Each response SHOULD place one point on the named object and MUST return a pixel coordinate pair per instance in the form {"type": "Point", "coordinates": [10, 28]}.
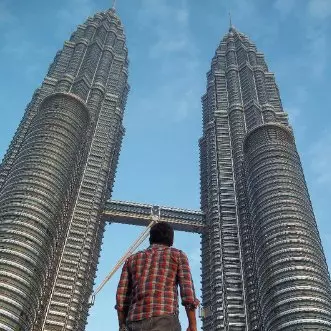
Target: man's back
{"type": "Point", "coordinates": [154, 275]}
{"type": "Point", "coordinates": [147, 292]}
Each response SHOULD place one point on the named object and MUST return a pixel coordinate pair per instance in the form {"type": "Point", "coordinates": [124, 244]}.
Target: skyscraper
{"type": "Point", "coordinates": [56, 177]}
{"type": "Point", "coordinates": [263, 266]}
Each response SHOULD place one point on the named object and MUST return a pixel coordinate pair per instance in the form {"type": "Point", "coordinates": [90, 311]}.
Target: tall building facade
{"type": "Point", "coordinates": [55, 179]}
{"type": "Point", "coordinates": [263, 266]}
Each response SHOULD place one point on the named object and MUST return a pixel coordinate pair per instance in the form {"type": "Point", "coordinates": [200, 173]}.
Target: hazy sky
{"type": "Point", "coordinates": [171, 43]}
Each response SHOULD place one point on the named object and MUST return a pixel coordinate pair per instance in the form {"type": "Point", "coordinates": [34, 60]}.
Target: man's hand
{"type": "Point", "coordinates": [192, 328]}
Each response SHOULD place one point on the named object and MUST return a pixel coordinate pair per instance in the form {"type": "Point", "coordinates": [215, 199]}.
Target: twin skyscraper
{"type": "Point", "coordinates": [263, 266]}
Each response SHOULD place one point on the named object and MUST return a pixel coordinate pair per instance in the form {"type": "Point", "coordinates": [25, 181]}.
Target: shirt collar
{"type": "Point", "coordinates": [158, 246]}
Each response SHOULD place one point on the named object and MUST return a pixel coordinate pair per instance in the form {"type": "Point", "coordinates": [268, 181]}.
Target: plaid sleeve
{"type": "Point", "coordinates": [185, 282]}
{"type": "Point", "coordinates": [123, 294]}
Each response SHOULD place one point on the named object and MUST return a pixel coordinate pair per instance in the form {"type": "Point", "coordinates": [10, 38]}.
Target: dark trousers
{"type": "Point", "coordinates": [157, 323]}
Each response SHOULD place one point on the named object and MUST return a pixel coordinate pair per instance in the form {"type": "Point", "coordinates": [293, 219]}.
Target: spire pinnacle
{"type": "Point", "coordinates": [114, 5]}
{"type": "Point", "coordinates": [230, 21]}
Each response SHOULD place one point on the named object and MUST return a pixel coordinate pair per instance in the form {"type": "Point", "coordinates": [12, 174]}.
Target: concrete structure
{"type": "Point", "coordinates": [56, 177]}
{"type": "Point", "coordinates": [263, 266]}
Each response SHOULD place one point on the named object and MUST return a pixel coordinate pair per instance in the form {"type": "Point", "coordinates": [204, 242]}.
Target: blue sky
{"type": "Point", "coordinates": [171, 43]}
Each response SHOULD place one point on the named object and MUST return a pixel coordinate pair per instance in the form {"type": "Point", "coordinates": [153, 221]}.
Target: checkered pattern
{"type": "Point", "coordinates": [149, 280]}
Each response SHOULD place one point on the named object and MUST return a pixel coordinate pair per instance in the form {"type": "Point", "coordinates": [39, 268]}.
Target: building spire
{"type": "Point", "coordinates": [230, 21]}
{"type": "Point", "coordinates": [114, 5]}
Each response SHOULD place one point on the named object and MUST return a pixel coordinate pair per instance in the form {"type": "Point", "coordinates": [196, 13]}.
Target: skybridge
{"type": "Point", "coordinates": [132, 213]}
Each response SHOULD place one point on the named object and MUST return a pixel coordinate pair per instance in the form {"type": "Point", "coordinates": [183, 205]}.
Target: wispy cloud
{"type": "Point", "coordinates": [320, 153]}
{"type": "Point", "coordinates": [6, 15]}
{"type": "Point", "coordinates": [244, 10]}
{"type": "Point", "coordinates": [73, 13]}
{"type": "Point", "coordinates": [317, 25]}
{"type": "Point", "coordinates": [18, 45]}
{"type": "Point", "coordinates": [316, 9]}
{"type": "Point", "coordinates": [295, 109]}
{"type": "Point", "coordinates": [318, 50]}
{"type": "Point", "coordinates": [195, 258]}
{"type": "Point", "coordinates": [313, 51]}
{"type": "Point", "coordinates": [317, 47]}
{"type": "Point", "coordinates": [285, 7]}
{"type": "Point", "coordinates": [294, 114]}
{"type": "Point", "coordinates": [173, 50]}
{"type": "Point", "coordinates": [170, 25]}
{"type": "Point", "coordinates": [319, 9]}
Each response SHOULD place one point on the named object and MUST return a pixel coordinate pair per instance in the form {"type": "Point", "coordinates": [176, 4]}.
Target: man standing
{"type": "Point", "coordinates": [147, 296]}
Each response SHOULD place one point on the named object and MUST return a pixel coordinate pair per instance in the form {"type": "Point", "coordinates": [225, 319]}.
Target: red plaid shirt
{"type": "Point", "coordinates": [148, 283]}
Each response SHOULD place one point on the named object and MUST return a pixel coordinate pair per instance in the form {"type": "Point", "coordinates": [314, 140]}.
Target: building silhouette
{"type": "Point", "coordinates": [56, 177]}
{"type": "Point", "coordinates": [263, 266]}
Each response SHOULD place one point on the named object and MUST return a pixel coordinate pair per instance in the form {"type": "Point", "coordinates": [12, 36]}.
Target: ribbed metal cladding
{"type": "Point", "coordinates": [91, 71]}
{"type": "Point", "coordinates": [222, 268]}
{"type": "Point", "coordinates": [33, 206]}
{"type": "Point", "coordinates": [293, 278]}
{"type": "Point", "coordinates": [242, 95]}
{"type": "Point", "coordinates": [96, 70]}
{"type": "Point", "coordinates": [263, 267]}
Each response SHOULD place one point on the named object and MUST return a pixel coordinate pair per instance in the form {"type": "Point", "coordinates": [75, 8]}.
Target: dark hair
{"type": "Point", "coordinates": [161, 233]}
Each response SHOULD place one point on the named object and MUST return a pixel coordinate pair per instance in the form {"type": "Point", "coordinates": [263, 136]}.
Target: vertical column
{"type": "Point", "coordinates": [33, 206]}
{"type": "Point", "coordinates": [237, 125]}
{"type": "Point", "coordinates": [233, 305]}
{"type": "Point", "coordinates": [293, 278]}
{"type": "Point", "coordinates": [205, 237]}
{"type": "Point", "coordinates": [272, 92]}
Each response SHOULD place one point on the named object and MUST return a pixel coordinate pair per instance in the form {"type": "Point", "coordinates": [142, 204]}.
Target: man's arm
{"type": "Point", "coordinates": [192, 320]}
{"type": "Point", "coordinates": [123, 295]}
{"type": "Point", "coordinates": [187, 293]}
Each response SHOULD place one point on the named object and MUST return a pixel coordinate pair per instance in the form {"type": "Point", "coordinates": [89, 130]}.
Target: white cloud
{"type": "Point", "coordinates": [320, 153]}
{"type": "Point", "coordinates": [319, 9]}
